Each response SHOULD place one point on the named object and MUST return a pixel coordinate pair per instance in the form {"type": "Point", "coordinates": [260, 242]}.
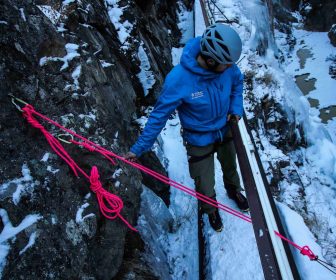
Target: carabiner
{"type": "Point", "coordinates": [18, 100]}
{"type": "Point", "coordinates": [60, 137]}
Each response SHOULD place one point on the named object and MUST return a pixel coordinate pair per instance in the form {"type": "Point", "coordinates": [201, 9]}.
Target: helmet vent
{"type": "Point", "coordinates": [224, 47]}
{"type": "Point", "coordinates": [211, 44]}
{"type": "Point", "coordinates": [218, 36]}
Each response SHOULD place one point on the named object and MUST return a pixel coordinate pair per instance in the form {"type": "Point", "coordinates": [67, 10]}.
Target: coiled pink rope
{"type": "Point", "coordinates": [111, 205]}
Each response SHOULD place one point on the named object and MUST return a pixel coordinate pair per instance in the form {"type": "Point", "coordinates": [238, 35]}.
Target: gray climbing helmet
{"type": "Point", "coordinates": [222, 43]}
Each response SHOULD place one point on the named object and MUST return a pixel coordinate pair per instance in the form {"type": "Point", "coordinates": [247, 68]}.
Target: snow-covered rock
{"type": "Point", "coordinates": [332, 35]}
{"type": "Point", "coordinates": [74, 63]}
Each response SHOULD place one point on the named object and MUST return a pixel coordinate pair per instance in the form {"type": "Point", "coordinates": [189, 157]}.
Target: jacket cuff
{"type": "Point", "coordinates": [240, 113]}
{"type": "Point", "coordinates": [136, 150]}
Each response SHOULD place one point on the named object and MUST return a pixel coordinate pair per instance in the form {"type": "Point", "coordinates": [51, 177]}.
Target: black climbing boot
{"type": "Point", "coordinates": [240, 200]}
{"type": "Point", "coordinates": [215, 221]}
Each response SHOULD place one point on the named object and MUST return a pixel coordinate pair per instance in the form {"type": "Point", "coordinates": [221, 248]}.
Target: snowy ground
{"type": "Point", "coordinates": [235, 247]}
{"type": "Point", "coordinates": [232, 247]}
{"type": "Point", "coordinates": [318, 170]}
{"type": "Point", "coordinates": [318, 53]}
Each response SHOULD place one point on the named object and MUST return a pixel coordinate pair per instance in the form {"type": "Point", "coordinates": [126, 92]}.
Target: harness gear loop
{"type": "Point", "coordinates": [194, 159]}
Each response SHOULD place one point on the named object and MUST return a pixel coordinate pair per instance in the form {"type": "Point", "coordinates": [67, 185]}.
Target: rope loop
{"type": "Point", "coordinates": [110, 204]}
{"type": "Point", "coordinates": [306, 251]}
{"type": "Point", "coordinates": [28, 115]}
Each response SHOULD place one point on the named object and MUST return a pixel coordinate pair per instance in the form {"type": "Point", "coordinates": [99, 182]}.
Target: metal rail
{"type": "Point", "coordinates": [261, 230]}
{"type": "Point", "coordinates": [276, 258]}
{"type": "Point", "coordinates": [283, 251]}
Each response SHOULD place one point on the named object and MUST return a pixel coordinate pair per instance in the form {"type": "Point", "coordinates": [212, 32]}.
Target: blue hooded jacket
{"type": "Point", "coordinates": [203, 99]}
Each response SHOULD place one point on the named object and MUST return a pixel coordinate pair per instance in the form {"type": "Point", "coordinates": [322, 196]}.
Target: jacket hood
{"type": "Point", "coordinates": [189, 59]}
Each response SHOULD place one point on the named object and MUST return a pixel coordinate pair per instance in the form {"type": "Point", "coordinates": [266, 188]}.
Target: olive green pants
{"type": "Point", "coordinates": [202, 168]}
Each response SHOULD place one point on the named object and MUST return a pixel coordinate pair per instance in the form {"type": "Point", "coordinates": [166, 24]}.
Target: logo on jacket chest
{"type": "Point", "coordinates": [197, 94]}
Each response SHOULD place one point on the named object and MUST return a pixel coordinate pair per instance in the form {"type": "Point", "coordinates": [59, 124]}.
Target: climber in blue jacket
{"type": "Point", "coordinates": [206, 90]}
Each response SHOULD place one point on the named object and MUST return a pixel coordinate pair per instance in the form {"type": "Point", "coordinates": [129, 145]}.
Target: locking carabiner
{"type": "Point", "coordinates": [60, 137]}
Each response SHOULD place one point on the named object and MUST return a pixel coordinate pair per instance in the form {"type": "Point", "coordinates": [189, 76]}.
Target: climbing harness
{"type": "Point", "coordinates": [194, 159]}
{"type": "Point", "coordinates": [110, 204]}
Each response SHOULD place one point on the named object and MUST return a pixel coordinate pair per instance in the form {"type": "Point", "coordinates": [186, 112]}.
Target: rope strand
{"type": "Point", "coordinates": [323, 264]}
{"type": "Point", "coordinates": [111, 205]}
{"type": "Point", "coordinates": [328, 264]}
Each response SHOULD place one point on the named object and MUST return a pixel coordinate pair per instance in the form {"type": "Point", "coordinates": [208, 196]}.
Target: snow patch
{"type": "Point", "coordinates": [52, 14]}
{"type": "Point", "coordinates": [45, 157]}
{"type": "Point", "coordinates": [75, 75]}
{"type": "Point", "coordinates": [67, 2]}
{"type": "Point", "coordinates": [23, 16]}
{"type": "Point", "coordinates": [20, 186]}
{"type": "Point", "coordinates": [124, 28]}
{"type": "Point", "coordinates": [71, 54]}
{"type": "Point", "coordinates": [52, 170]}
{"type": "Point", "coordinates": [8, 233]}
{"type": "Point", "coordinates": [117, 173]}
{"type": "Point", "coordinates": [105, 64]}
{"type": "Point", "coordinates": [145, 75]}
{"type": "Point", "coordinates": [79, 214]}
{"type": "Point", "coordinates": [185, 22]}
{"type": "Point", "coordinates": [176, 54]}
{"type": "Point", "coordinates": [31, 242]}
{"type": "Point", "coordinates": [83, 225]}
{"type": "Point", "coordinates": [89, 119]}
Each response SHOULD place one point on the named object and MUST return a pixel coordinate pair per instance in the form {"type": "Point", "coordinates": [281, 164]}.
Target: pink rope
{"type": "Point", "coordinates": [113, 204]}
{"type": "Point", "coordinates": [110, 205]}
{"type": "Point", "coordinates": [165, 180]}
{"type": "Point", "coordinates": [305, 250]}
{"type": "Point", "coordinates": [28, 112]}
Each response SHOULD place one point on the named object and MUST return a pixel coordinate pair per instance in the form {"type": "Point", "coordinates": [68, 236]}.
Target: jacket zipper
{"type": "Point", "coordinates": [211, 102]}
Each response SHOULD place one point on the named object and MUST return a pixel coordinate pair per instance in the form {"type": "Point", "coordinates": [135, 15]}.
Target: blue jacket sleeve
{"type": "Point", "coordinates": [236, 97]}
{"type": "Point", "coordinates": [168, 101]}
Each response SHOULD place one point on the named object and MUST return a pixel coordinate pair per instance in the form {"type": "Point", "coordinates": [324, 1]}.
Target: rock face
{"type": "Point", "coordinates": [332, 35]}
{"type": "Point", "coordinates": [319, 15]}
{"type": "Point", "coordinates": [79, 64]}
{"type": "Point", "coordinates": [154, 224]}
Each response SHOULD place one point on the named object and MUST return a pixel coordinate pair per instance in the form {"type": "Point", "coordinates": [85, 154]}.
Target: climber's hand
{"type": "Point", "coordinates": [233, 117]}
{"type": "Point", "coordinates": [130, 156]}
